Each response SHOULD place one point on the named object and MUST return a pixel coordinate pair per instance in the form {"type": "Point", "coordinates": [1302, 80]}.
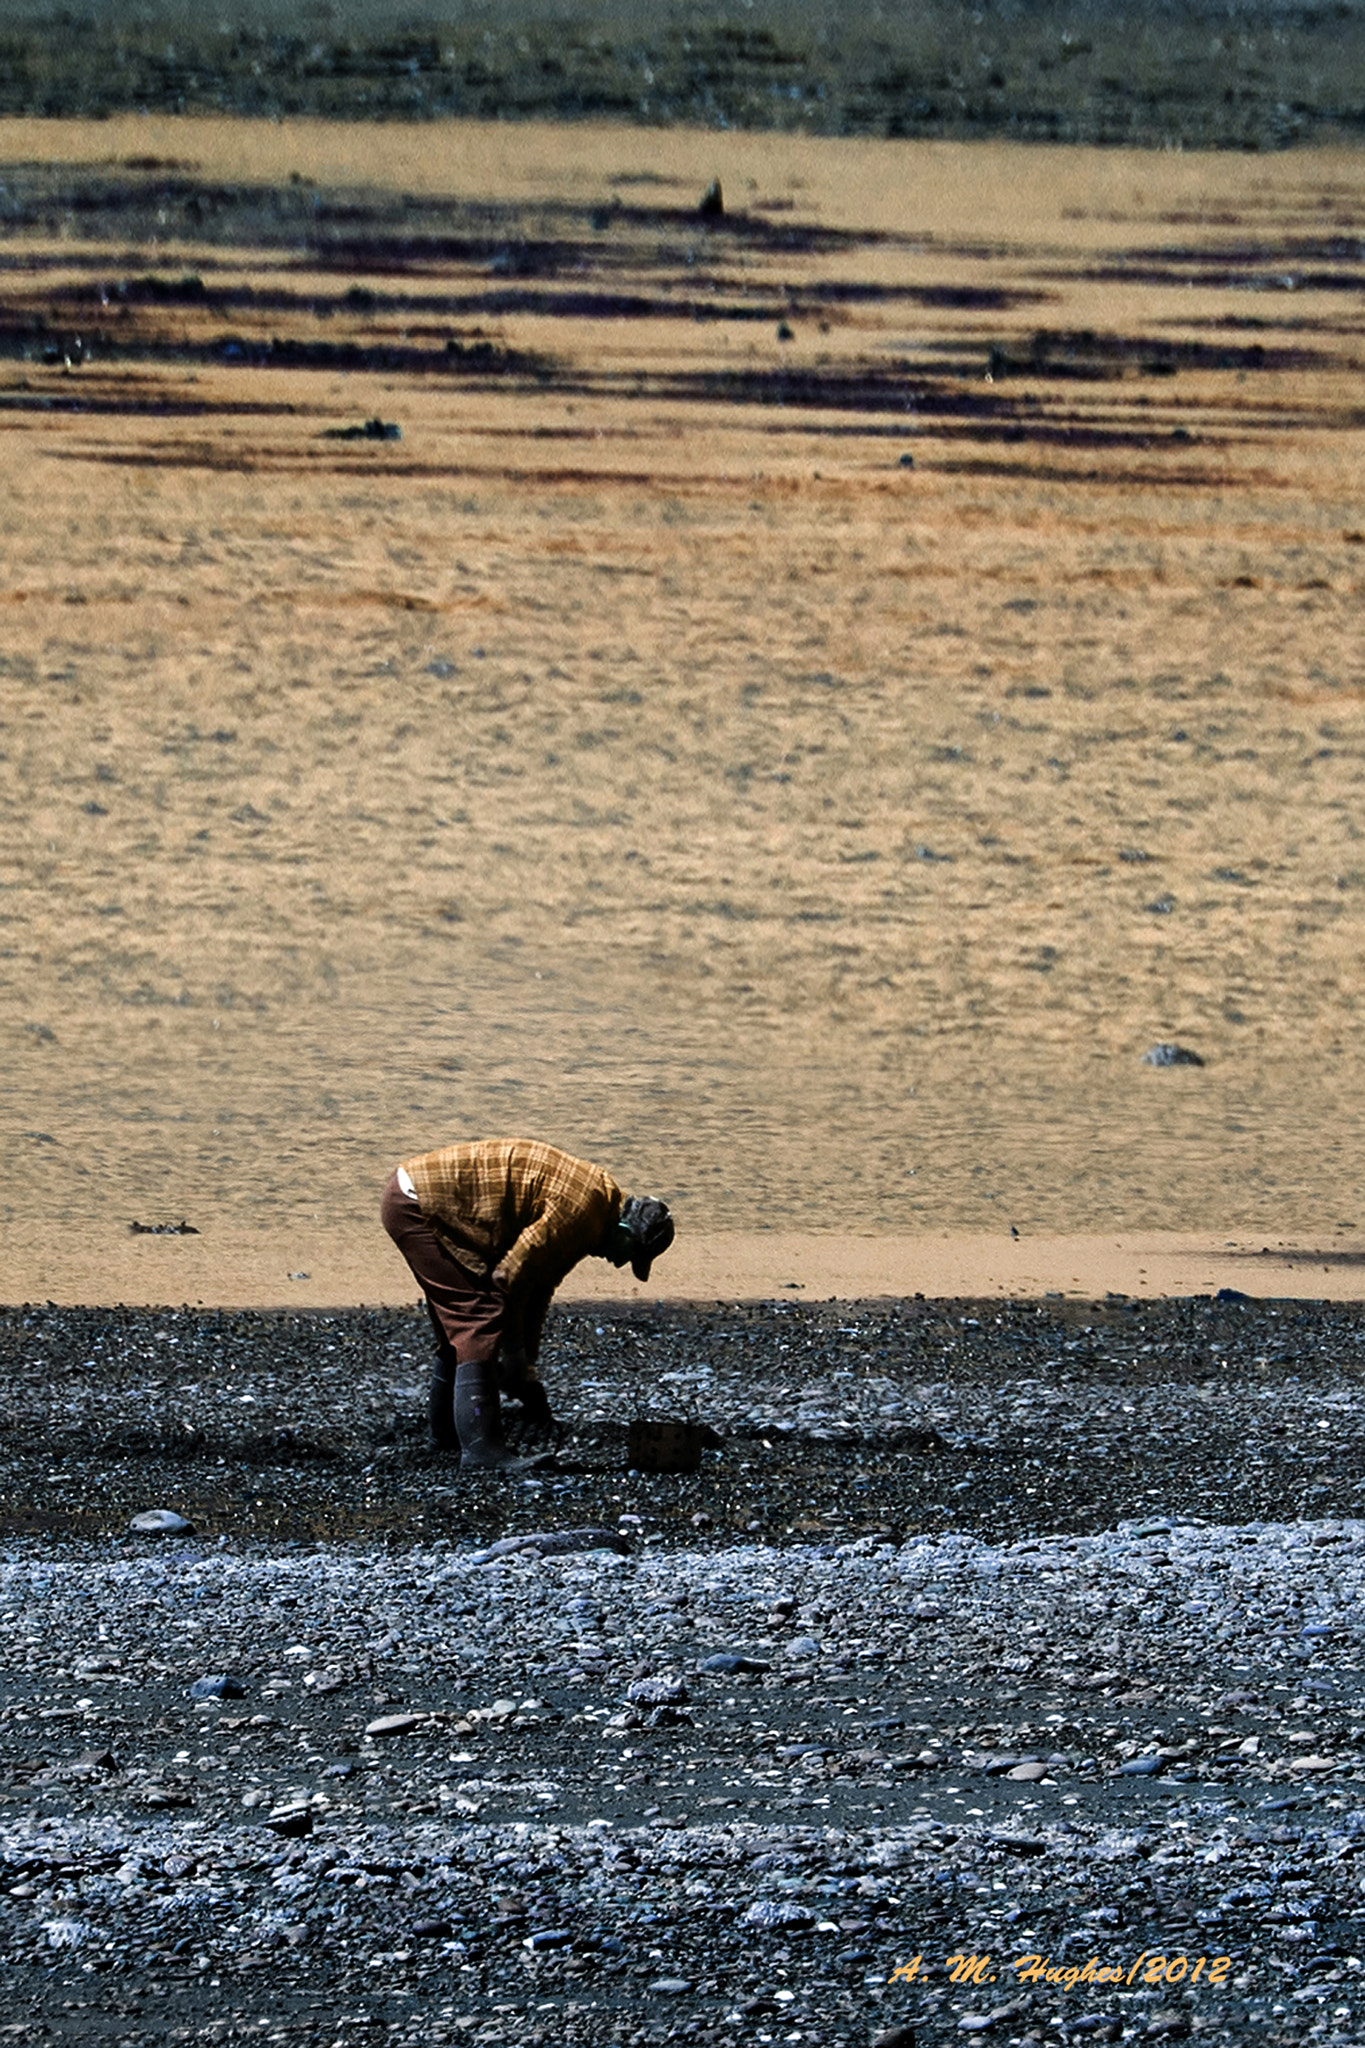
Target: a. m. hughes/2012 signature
{"type": "Point", "coordinates": [1150, 1968]}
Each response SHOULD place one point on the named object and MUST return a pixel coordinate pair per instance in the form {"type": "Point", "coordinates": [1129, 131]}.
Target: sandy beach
{"type": "Point", "coordinates": [801, 705]}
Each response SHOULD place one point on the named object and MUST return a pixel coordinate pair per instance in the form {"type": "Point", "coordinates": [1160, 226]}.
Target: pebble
{"type": "Point", "coordinates": [219, 1685]}
{"type": "Point", "coordinates": [658, 1692]}
{"type": "Point", "coordinates": [291, 1820]}
{"type": "Point", "coordinates": [777, 1913]}
{"type": "Point", "coordinates": [554, 1543]}
{"type": "Point", "coordinates": [393, 1724]}
{"type": "Point", "coordinates": [1167, 1054]}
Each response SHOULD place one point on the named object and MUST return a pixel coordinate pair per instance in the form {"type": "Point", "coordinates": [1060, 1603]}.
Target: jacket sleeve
{"type": "Point", "coordinates": [551, 1246]}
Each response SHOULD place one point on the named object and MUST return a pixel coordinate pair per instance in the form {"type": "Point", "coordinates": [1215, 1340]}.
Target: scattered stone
{"type": "Point", "coordinates": [98, 1760]}
{"type": "Point", "coordinates": [371, 430]}
{"type": "Point", "coordinates": [219, 1685]}
{"type": "Point", "coordinates": [554, 1543]}
{"type": "Point", "coordinates": [658, 1692]}
{"type": "Point", "coordinates": [394, 1724]}
{"type": "Point", "coordinates": [165, 1795]}
{"type": "Point", "coordinates": [1168, 1055]}
{"type": "Point", "coordinates": [297, 1819]}
{"type": "Point", "coordinates": [770, 1914]}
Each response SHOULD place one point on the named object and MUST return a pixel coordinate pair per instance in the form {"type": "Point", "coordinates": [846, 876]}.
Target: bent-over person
{"type": "Point", "coordinates": [490, 1229]}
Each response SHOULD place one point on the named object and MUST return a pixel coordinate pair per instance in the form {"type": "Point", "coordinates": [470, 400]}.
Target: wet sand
{"type": "Point", "coordinates": [808, 700]}
{"type": "Point", "coordinates": [242, 1268]}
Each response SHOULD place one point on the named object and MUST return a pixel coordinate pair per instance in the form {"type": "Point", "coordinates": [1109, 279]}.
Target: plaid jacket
{"type": "Point", "coordinates": [514, 1203]}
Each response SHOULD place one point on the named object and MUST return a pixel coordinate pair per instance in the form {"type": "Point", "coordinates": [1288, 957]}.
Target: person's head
{"type": "Point", "coordinates": [644, 1231]}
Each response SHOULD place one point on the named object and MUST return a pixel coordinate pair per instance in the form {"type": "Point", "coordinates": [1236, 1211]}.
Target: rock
{"type": "Point", "coordinates": [67, 1933]}
{"type": "Point", "coordinates": [160, 1522]}
{"type": "Point", "coordinates": [1140, 1767]}
{"type": "Point", "coordinates": [98, 1760]}
{"type": "Point", "coordinates": [658, 1692]}
{"type": "Point", "coordinates": [433, 1930]}
{"type": "Point", "coordinates": [711, 205]}
{"type": "Point", "coordinates": [726, 1661]}
{"type": "Point", "coordinates": [394, 1724]}
{"type": "Point", "coordinates": [371, 430]}
{"type": "Point", "coordinates": [549, 1938]}
{"type": "Point", "coordinates": [774, 1913]}
{"type": "Point", "coordinates": [295, 1819]}
{"type": "Point", "coordinates": [218, 1685]}
{"type": "Point", "coordinates": [672, 1987]}
{"type": "Point", "coordinates": [894, 2037]}
{"type": "Point", "coordinates": [165, 1795]}
{"type": "Point", "coordinates": [1168, 1055]}
{"type": "Point", "coordinates": [554, 1543]}
{"type": "Point", "coordinates": [803, 1647]}
{"type": "Point", "coordinates": [1028, 1773]}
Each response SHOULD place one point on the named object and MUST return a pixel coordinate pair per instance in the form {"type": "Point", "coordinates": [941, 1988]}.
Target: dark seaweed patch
{"type": "Point", "coordinates": [32, 336]}
{"type": "Point", "coordinates": [1217, 275]}
{"type": "Point", "coordinates": [386, 232]}
{"type": "Point", "coordinates": [1090, 356]}
{"type": "Point", "coordinates": [1184, 478]}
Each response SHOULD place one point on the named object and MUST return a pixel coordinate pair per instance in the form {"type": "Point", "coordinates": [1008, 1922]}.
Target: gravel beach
{"type": "Point", "coordinates": [985, 1632]}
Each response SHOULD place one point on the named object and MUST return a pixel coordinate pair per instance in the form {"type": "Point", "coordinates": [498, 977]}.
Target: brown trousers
{"type": "Point", "coordinates": [465, 1313]}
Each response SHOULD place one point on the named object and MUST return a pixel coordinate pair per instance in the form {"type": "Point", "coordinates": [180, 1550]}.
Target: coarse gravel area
{"type": "Point", "coordinates": [986, 1631]}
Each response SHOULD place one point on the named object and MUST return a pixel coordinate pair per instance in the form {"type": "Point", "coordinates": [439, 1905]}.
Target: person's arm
{"type": "Point", "coordinates": [549, 1248]}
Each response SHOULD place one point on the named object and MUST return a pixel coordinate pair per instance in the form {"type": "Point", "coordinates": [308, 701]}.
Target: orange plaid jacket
{"type": "Point", "coordinates": [516, 1204]}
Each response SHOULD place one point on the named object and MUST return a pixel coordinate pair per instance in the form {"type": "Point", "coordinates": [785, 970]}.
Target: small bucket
{"type": "Point", "coordinates": [666, 1446]}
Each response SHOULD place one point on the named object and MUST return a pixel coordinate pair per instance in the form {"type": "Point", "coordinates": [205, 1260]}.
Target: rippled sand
{"type": "Point", "coordinates": [807, 702]}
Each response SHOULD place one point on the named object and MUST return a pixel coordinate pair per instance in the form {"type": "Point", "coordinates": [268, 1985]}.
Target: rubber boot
{"type": "Point", "coordinates": [442, 1407]}
{"type": "Point", "coordinates": [478, 1420]}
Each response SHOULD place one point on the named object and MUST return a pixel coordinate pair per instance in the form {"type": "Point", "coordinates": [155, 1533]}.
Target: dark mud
{"type": "Point", "coordinates": [1197, 76]}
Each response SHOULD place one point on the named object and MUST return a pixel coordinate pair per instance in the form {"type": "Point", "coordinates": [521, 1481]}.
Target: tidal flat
{"type": "Point", "coordinates": [1029, 1634]}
